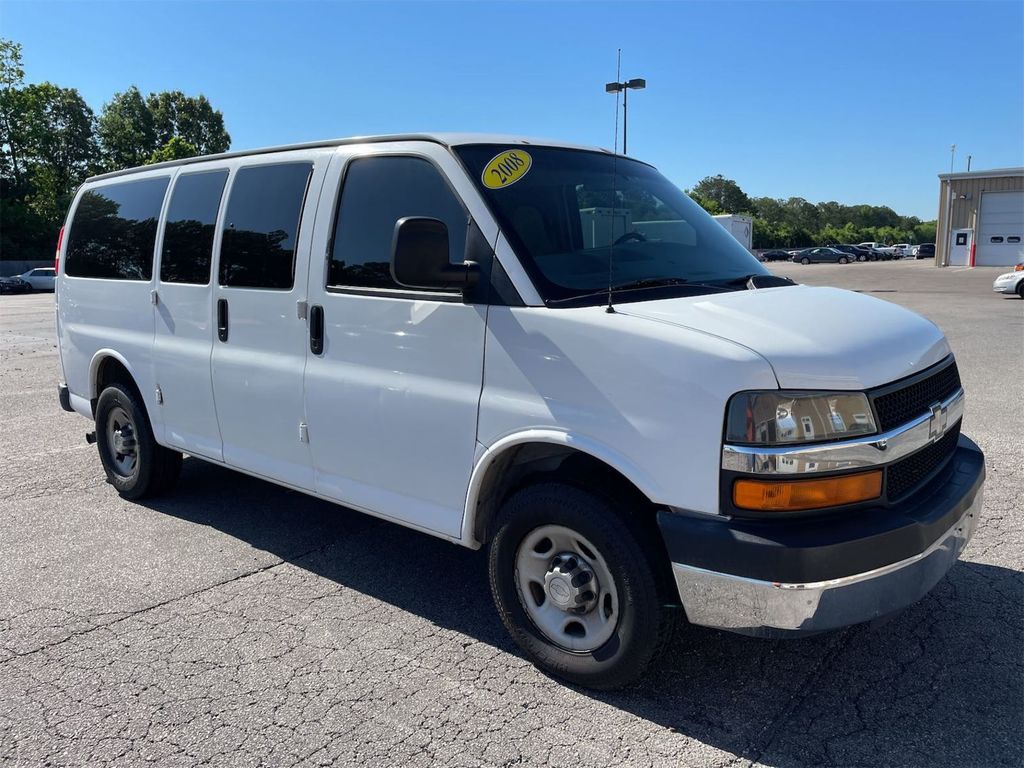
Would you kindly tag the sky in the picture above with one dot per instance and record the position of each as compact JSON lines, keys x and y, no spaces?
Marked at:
{"x":855,"y":102}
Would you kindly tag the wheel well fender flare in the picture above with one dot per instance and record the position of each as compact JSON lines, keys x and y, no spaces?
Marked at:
{"x":96,"y":363}
{"x":595,"y":449}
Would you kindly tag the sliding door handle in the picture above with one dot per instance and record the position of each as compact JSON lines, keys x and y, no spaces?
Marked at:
{"x":316,"y":330}
{"x":222,"y":319}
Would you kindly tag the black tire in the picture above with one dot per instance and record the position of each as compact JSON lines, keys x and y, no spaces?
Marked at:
{"x":843,"y":260}
{"x":1020,"y":289}
{"x":155,"y":469}
{"x":631,"y":553}
{"x":805,"y":260}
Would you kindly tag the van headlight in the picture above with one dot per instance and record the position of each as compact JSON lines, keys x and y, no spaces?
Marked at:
{"x":781,"y":418}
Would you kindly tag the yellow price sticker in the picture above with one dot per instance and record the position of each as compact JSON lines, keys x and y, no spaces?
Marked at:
{"x":507,"y":168}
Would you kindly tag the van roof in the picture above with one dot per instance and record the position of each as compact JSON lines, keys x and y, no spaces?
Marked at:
{"x":448,"y":139}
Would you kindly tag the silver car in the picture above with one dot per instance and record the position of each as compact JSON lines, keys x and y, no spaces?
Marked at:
{"x":41,"y":278}
{"x":1011,"y":282}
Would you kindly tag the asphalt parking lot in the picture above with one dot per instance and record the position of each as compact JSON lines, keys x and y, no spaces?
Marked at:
{"x":236,"y":623}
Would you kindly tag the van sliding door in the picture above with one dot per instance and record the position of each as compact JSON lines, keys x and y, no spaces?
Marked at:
{"x":260,"y":347}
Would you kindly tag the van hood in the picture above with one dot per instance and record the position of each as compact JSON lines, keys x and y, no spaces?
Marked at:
{"x":814,"y":338}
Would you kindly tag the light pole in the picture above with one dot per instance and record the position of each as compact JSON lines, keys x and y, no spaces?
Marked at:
{"x":636,"y":84}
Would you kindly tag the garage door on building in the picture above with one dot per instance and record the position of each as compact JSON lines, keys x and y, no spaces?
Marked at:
{"x":1000,"y":229}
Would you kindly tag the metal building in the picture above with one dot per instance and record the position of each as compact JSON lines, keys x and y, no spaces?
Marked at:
{"x":981,"y":218}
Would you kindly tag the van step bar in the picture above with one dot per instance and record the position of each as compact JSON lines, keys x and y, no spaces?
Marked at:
{"x":90,"y":437}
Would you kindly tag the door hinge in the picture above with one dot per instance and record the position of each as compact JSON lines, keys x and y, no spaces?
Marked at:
{"x":303,"y":432}
{"x":159,"y":396}
{"x":154,"y":298}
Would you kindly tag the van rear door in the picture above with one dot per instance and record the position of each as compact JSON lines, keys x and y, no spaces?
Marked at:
{"x":184,"y":333}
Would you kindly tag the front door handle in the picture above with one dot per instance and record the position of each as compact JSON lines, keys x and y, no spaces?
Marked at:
{"x":316,"y":330}
{"x":222,"y":319}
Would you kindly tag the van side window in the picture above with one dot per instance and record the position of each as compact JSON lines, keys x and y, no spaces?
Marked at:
{"x":188,"y":233}
{"x":113,"y":232}
{"x":261,"y":226}
{"x":377,"y":192}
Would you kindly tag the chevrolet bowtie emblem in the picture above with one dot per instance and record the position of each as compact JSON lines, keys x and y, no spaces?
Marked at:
{"x":937,"y":422}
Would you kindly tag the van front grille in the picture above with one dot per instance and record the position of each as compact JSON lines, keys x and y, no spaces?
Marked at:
{"x":896,"y":407}
{"x":905,"y":475}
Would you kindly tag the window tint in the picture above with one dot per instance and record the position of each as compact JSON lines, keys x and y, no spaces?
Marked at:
{"x":192,"y":217}
{"x":188,"y":233}
{"x":262,"y":226}
{"x":1013,"y":239}
{"x":377,"y":192}
{"x":114,"y":231}
{"x":995,"y":239}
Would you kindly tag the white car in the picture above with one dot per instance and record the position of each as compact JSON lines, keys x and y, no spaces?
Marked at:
{"x":1011,"y":282}
{"x":542,"y":349}
{"x":41,"y":278}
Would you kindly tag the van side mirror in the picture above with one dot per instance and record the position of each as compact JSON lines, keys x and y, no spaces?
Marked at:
{"x":419,"y":257}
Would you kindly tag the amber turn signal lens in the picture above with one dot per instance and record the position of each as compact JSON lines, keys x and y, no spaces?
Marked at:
{"x":792,"y":495}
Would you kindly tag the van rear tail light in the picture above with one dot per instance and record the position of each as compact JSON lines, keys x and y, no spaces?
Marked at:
{"x":793,"y":495}
{"x":56,"y":256}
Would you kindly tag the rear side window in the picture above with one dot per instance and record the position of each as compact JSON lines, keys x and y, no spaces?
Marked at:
{"x":191,"y":222}
{"x":113,"y":232}
{"x":262,"y":226}
{"x":377,"y":192}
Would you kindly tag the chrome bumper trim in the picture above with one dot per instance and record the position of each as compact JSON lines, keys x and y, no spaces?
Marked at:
{"x":862,"y":452}
{"x":772,"y":609}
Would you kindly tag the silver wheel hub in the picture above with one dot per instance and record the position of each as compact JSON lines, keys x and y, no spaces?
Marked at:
{"x":571,"y":584}
{"x":123,"y":448}
{"x":566,"y":588}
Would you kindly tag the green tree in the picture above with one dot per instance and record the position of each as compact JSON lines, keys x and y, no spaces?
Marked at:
{"x":60,"y":145}
{"x":175,"y":149}
{"x":709,"y":205}
{"x":190,"y":118}
{"x":12,"y":75}
{"x":126,"y":131}
{"x":725,"y":193}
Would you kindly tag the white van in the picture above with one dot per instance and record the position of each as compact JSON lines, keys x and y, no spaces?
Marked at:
{"x":544,"y":349}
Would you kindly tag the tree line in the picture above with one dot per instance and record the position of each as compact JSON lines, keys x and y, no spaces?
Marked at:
{"x":797,"y":223}
{"x":51,"y":141}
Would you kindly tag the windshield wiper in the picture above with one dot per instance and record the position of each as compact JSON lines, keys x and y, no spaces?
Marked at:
{"x":650,"y":282}
{"x":642,"y":284}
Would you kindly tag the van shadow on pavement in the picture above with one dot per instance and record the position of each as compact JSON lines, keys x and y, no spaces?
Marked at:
{"x":937,"y":685}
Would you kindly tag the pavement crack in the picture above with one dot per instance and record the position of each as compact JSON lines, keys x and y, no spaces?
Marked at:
{"x":126,"y":615}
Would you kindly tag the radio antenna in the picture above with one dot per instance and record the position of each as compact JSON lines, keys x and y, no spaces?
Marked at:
{"x":615,"y":155}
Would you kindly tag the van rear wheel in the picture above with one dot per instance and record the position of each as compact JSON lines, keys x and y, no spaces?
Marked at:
{"x":132,"y":460}
{"x":572,"y":578}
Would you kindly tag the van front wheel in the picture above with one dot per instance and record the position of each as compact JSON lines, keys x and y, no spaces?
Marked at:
{"x":574,"y":585}
{"x":132,"y":460}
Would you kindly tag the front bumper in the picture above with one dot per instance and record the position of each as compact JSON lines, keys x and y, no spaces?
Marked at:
{"x":791,"y":578}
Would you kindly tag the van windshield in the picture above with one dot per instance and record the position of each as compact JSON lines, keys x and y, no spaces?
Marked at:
{"x":582,"y":220}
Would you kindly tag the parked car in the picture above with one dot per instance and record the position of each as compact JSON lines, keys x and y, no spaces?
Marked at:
{"x":335,"y":317}
{"x":901,"y":250}
{"x":41,"y":278}
{"x":14,"y":285}
{"x":926,"y":251}
{"x":856,"y":252}
{"x":822,"y":255}
{"x":884,"y":252}
{"x":1011,"y":282}
{"x":775,"y":255}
